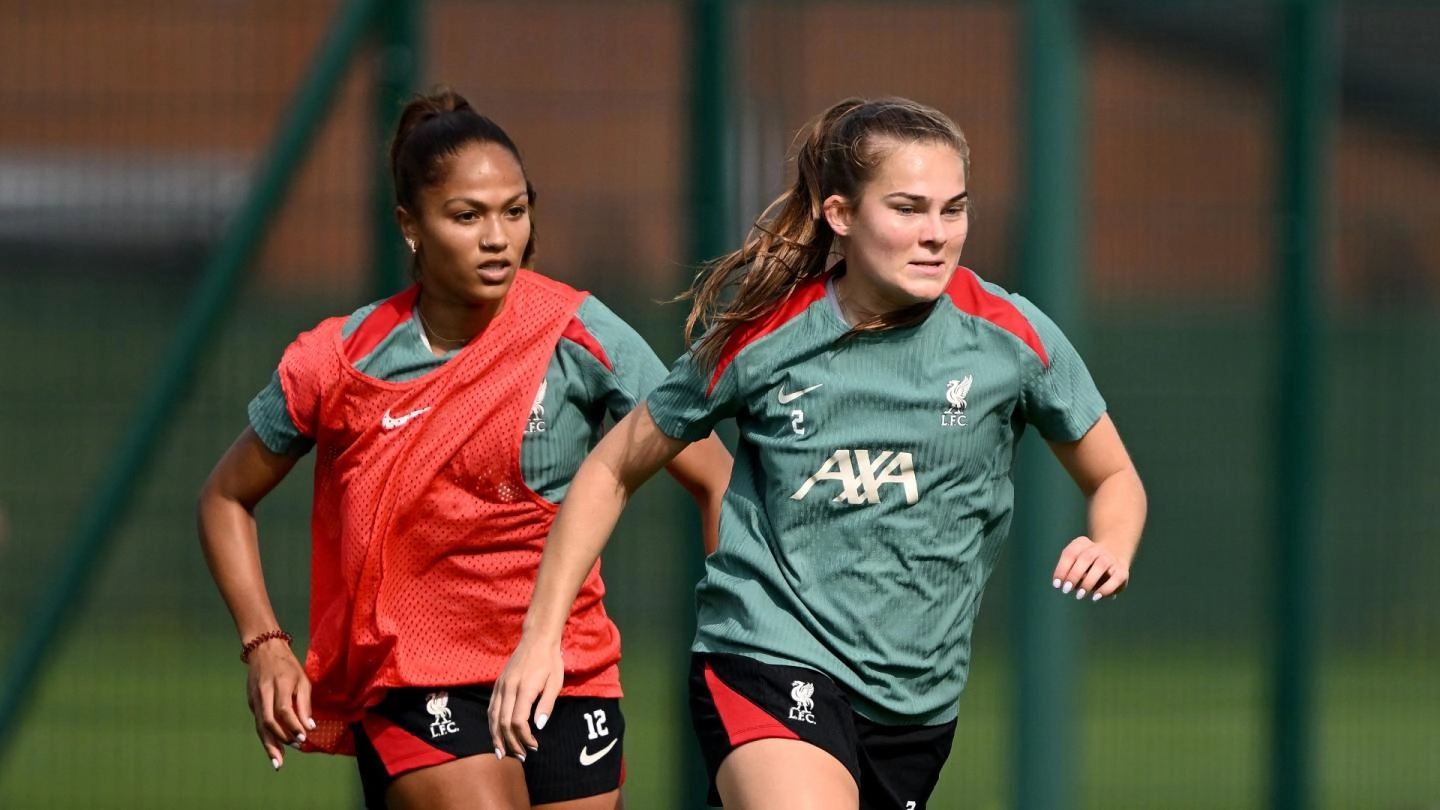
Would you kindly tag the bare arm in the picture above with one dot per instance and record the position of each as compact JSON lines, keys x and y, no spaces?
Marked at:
{"x":703,"y":469}
{"x":1099,"y":564}
{"x":627,"y":457}
{"x":278,"y":691}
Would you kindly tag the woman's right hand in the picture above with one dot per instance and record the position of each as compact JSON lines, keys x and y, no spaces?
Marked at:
{"x":630,"y":453}
{"x":279,"y":695}
{"x":531,"y":678}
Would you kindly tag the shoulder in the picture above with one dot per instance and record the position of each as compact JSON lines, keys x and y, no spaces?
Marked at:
{"x":800,"y":300}
{"x":531,"y":283}
{"x":594,"y":326}
{"x":1002,"y":310}
{"x":367,"y":327}
{"x":601,"y":333}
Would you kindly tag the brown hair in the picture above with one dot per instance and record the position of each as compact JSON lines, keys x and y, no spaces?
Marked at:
{"x":791,"y":241}
{"x":433,"y":128}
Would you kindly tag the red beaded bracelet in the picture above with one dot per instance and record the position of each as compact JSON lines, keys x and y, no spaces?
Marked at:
{"x":254,"y":643}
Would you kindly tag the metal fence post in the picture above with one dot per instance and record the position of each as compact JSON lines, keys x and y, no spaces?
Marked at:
{"x":710,"y":191}
{"x":1047,"y":505}
{"x":398,"y":44}
{"x":1308,"y":75}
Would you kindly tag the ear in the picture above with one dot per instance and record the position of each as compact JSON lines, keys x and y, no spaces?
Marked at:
{"x":409,"y":229}
{"x":837,"y":214}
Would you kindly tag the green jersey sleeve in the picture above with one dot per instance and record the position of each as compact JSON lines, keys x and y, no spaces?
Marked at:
{"x":692,"y":400}
{"x":602,"y":369}
{"x":1060,"y":398}
{"x":633,"y":367}
{"x":270,"y":418}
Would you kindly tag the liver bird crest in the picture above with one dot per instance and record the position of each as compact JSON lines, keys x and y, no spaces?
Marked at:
{"x":957,"y":390}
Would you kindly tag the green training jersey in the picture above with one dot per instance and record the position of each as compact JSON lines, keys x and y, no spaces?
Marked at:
{"x":872,"y":488}
{"x":601,"y":369}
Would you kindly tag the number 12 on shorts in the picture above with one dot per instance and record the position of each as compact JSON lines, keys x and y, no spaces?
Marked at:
{"x":596,"y":722}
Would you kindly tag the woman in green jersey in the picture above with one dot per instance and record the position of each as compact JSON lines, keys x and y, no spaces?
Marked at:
{"x":879,"y":390}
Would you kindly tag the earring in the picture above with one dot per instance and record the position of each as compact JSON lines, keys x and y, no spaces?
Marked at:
{"x":411,"y":244}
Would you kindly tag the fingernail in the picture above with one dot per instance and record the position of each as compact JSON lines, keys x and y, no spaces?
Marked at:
{"x":533,"y":747}
{"x":310,"y":723}
{"x":541,"y":719}
{"x":1056,"y":583}
{"x":294,"y":744}
{"x":1067,"y":588}
{"x":275,"y":763}
{"x":520,"y":757}
{"x":1095,"y":598}
{"x":300,"y":738}
{"x":1080,"y":594}
{"x":499,"y":752}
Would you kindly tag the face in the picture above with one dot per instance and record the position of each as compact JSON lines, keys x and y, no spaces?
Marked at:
{"x":472,"y":227}
{"x":902,"y":238}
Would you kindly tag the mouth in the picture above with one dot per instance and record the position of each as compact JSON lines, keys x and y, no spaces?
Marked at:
{"x":494,"y":272}
{"x":928,"y":266}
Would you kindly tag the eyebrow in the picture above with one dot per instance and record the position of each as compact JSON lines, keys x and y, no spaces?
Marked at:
{"x":474,"y":203}
{"x":964,"y":195}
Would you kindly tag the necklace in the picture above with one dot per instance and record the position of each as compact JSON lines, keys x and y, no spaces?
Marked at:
{"x":426,"y":327}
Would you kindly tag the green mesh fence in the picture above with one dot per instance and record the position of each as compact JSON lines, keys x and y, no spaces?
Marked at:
{"x":129,"y":132}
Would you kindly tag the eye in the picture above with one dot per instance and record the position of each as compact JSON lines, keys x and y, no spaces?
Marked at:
{"x":516,"y":211}
{"x":466,"y":216}
{"x":905,"y":210}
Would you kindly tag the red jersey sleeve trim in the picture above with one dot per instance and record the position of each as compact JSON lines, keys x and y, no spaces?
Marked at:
{"x":392,"y":312}
{"x":970,"y":297}
{"x":576,"y":333}
{"x":800,"y":300}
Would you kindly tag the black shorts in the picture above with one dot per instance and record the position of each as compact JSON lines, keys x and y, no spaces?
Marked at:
{"x":735,"y":700}
{"x":581,"y":749}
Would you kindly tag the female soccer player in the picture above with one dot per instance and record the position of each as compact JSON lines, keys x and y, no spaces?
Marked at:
{"x":879,"y":392}
{"x":447,"y":422}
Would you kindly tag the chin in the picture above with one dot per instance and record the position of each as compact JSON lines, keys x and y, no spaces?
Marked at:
{"x":485,"y":294}
{"x":928,"y":290}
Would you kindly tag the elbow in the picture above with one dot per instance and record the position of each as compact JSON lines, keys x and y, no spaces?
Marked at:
{"x":204,"y":503}
{"x":709,"y":491}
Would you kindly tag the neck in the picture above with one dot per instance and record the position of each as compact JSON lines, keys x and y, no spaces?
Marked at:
{"x":854,"y":310}
{"x":448,"y":327}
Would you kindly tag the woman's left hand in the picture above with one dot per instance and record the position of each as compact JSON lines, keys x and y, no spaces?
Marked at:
{"x":1088,"y":568}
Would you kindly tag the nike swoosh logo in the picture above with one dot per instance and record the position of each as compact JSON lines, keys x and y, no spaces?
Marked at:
{"x":391,"y":422}
{"x":587,"y":759}
{"x":786,"y":399}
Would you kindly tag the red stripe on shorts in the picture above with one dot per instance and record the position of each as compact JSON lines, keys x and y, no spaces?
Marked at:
{"x":744,"y":721}
{"x":400,"y":750}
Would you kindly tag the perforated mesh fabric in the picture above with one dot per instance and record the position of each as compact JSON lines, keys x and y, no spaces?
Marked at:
{"x":426,"y":538}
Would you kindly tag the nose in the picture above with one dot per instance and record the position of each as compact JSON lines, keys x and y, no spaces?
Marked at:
{"x":932,"y":231}
{"x":492,"y":236}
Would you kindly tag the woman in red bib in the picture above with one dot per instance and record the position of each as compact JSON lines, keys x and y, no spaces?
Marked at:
{"x":448,"y":421}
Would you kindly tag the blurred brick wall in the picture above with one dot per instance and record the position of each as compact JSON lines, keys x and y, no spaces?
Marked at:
{"x":1177,"y":197}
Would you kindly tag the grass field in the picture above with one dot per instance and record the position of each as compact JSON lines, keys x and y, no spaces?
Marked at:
{"x":158,"y":721}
